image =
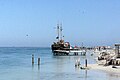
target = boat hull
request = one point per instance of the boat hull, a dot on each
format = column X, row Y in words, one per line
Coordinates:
column 69, row 52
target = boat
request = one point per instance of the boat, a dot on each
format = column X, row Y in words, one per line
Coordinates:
column 61, row 47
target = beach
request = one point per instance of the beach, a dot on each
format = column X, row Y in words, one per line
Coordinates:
column 103, row 68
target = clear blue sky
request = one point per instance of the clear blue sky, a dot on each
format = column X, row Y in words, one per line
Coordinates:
column 33, row 22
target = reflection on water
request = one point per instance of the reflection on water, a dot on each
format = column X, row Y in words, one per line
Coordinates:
column 85, row 74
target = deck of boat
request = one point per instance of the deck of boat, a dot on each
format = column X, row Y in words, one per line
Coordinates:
column 69, row 52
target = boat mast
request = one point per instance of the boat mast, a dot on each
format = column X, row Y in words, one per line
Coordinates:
column 61, row 31
column 58, row 32
column 82, row 44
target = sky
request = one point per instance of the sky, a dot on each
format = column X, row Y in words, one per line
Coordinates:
column 32, row 23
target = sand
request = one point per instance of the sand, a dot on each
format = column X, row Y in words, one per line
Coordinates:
column 104, row 68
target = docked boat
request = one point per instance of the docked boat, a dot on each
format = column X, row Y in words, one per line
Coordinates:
column 61, row 47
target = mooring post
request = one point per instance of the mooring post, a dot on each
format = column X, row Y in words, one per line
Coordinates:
column 32, row 59
column 38, row 61
column 85, row 62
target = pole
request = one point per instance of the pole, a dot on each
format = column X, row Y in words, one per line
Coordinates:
column 85, row 62
column 32, row 59
column 38, row 61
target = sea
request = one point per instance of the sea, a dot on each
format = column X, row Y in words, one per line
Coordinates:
column 16, row 64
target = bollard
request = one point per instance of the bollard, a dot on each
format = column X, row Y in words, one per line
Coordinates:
column 85, row 62
column 32, row 59
column 38, row 61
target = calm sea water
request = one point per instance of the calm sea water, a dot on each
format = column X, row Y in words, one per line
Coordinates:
column 15, row 64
